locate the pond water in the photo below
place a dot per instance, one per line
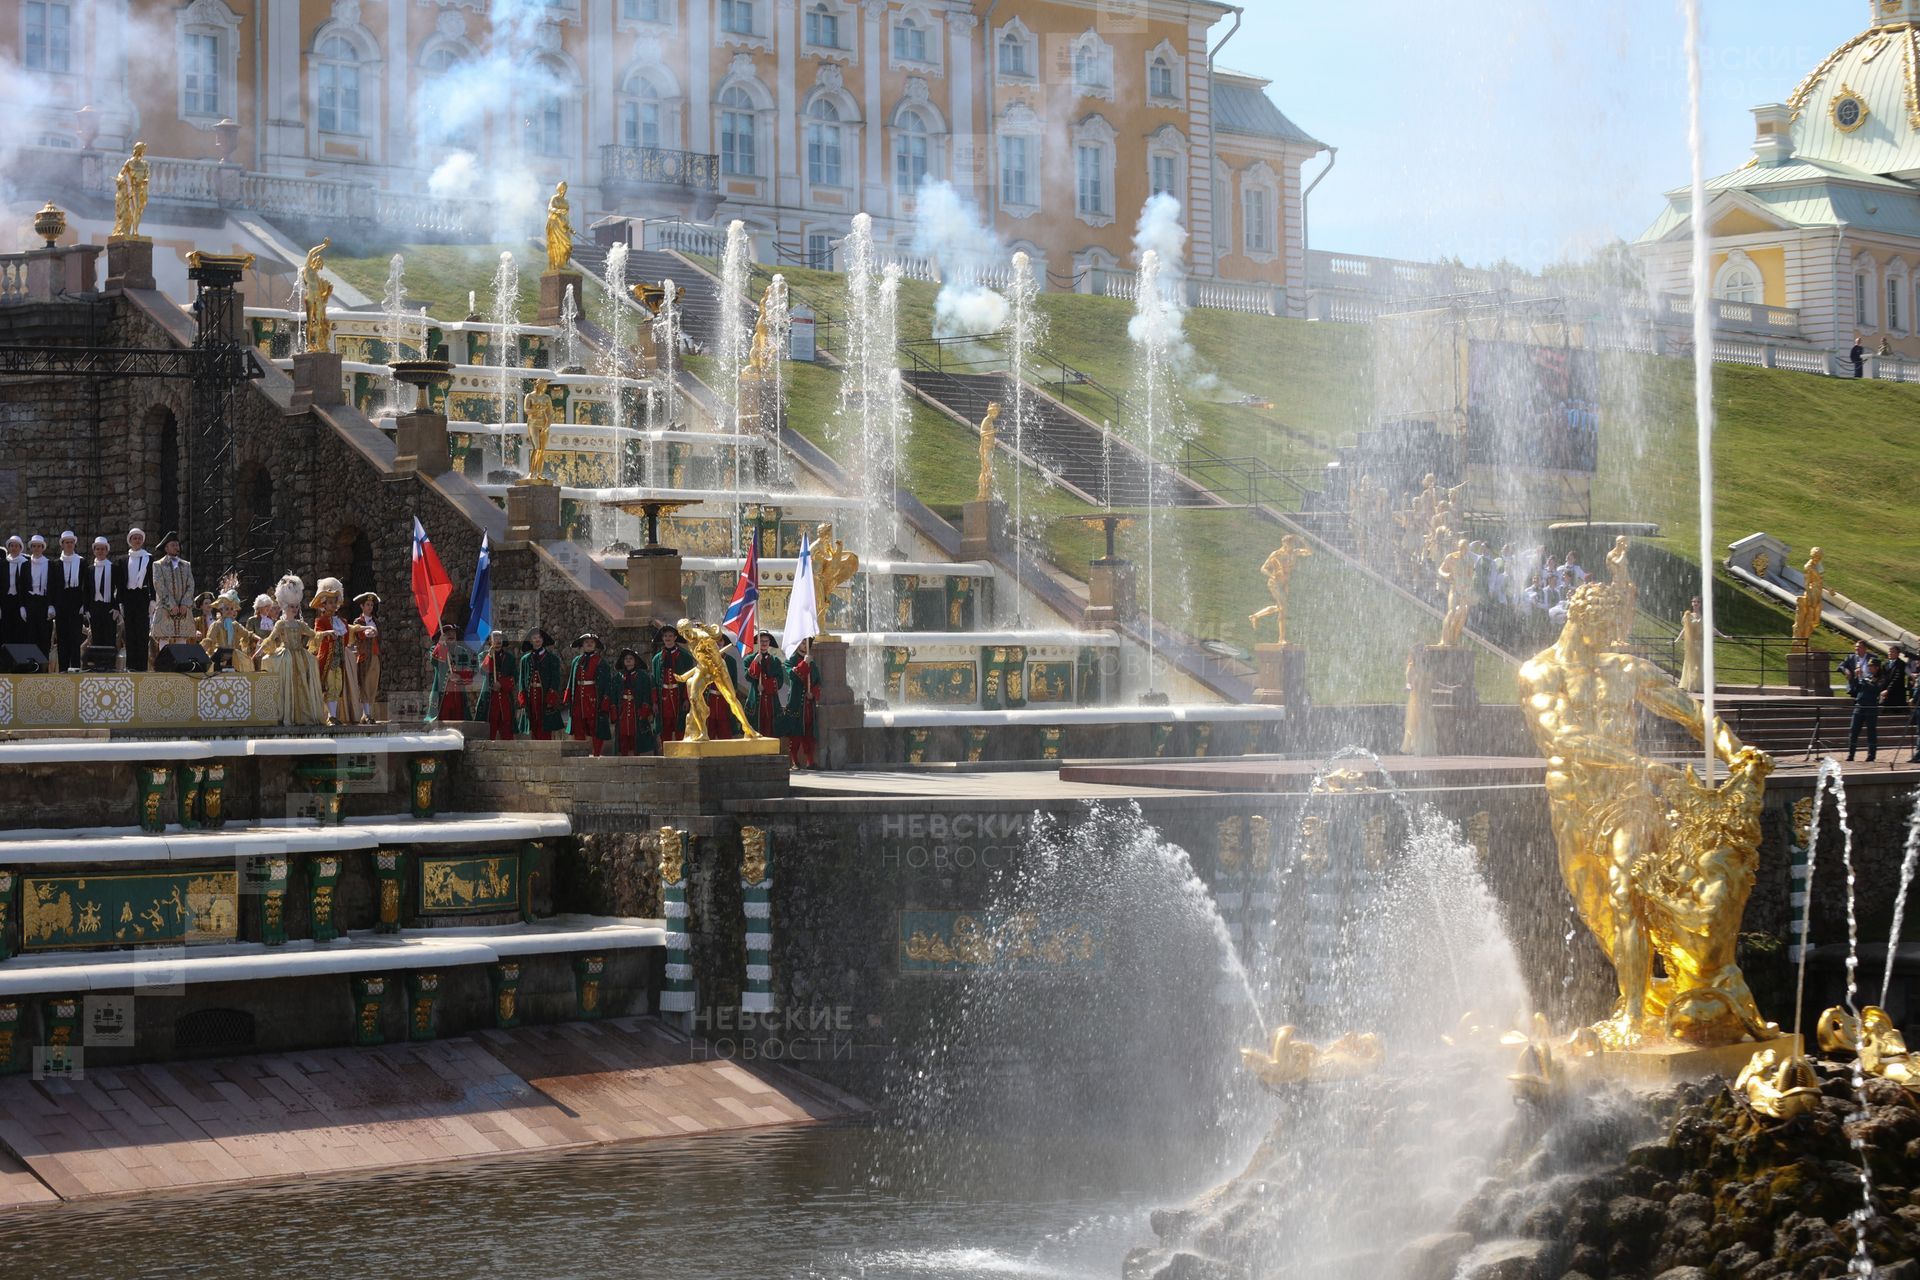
(813, 1203)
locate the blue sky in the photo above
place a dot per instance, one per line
(1523, 129)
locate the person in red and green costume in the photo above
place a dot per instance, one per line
(630, 706)
(670, 665)
(766, 676)
(543, 687)
(584, 692)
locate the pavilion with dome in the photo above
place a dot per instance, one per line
(1824, 220)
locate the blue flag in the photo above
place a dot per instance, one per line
(480, 599)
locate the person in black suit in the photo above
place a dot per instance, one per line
(37, 593)
(1854, 667)
(1895, 678)
(13, 628)
(136, 598)
(1867, 691)
(69, 602)
(101, 581)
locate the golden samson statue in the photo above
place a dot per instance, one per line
(1278, 571)
(1659, 864)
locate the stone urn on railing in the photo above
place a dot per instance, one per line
(420, 436)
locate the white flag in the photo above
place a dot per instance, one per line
(803, 616)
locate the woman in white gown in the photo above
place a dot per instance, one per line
(290, 647)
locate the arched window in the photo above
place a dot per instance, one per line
(643, 114)
(823, 27)
(823, 144)
(1160, 79)
(1015, 54)
(548, 110)
(909, 40)
(336, 71)
(739, 144)
(1741, 284)
(911, 148)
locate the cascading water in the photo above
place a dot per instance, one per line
(778, 310)
(1702, 370)
(570, 332)
(858, 425)
(612, 361)
(1155, 328)
(666, 341)
(1026, 327)
(1907, 865)
(732, 345)
(504, 314)
(397, 331)
(884, 373)
(298, 342)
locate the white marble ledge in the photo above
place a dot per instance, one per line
(358, 952)
(961, 717)
(188, 750)
(49, 846)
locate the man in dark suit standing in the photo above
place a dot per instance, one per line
(37, 592)
(69, 602)
(1854, 667)
(13, 624)
(102, 583)
(136, 598)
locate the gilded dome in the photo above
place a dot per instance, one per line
(1861, 106)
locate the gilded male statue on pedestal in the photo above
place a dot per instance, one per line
(1658, 864)
(130, 195)
(1278, 571)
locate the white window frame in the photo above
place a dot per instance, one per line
(725, 115)
(1020, 122)
(1866, 300)
(815, 140)
(662, 92)
(1260, 179)
(563, 73)
(1017, 33)
(369, 78)
(662, 13)
(931, 55)
(209, 18)
(846, 20)
(761, 37)
(1094, 135)
(1090, 53)
(1176, 74)
(1169, 146)
(47, 43)
(1897, 288)
(1736, 271)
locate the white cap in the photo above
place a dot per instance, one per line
(101, 541)
(141, 532)
(69, 534)
(36, 538)
(13, 538)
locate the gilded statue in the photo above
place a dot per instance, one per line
(1621, 577)
(833, 567)
(1289, 1060)
(989, 437)
(709, 672)
(753, 855)
(1278, 571)
(316, 292)
(1779, 1086)
(559, 229)
(1456, 575)
(1659, 865)
(672, 855)
(1873, 1039)
(1806, 610)
(537, 406)
(130, 195)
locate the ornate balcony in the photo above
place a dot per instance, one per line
(658, 179)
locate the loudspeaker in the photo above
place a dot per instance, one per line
(99, 657)
(182, 657)
(24, 659)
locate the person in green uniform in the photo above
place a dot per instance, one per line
(628, 696)
(672, 662)
(543, 687)
(766, 677)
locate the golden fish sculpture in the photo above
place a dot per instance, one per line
(1872, 1038)
(1289, 1061)
(1777, 1086)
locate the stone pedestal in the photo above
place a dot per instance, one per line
(1811, 672)
(838, 718)
(1449, 672)
(1110, 598)
(129, 264)
(420, 443)
(983, 529)
(1659, 1065)
(62, 272)
(533, 512)
(653, 589)
(553, 294)
(721, 748)
(1280, 678)
(316, 380)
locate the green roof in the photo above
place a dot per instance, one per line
(1242, 107)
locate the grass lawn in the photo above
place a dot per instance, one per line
(1828, 462)
(441, 275)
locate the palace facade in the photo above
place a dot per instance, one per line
(1819, 233)
(1057, 119)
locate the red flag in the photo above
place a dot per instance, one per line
(432, 588)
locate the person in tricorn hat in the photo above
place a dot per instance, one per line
(670, 665)
(584, 692)
(543, 687)
(499, 689)
(446, 696)
(766, 677)
(173, 611)
(363, 651)
(630, 706)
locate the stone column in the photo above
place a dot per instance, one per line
(653, 589)
(129, 264)
(316, 380)
(1110, 592)
(983, 527)
(839, 717)
(533, 512)
(553, 294)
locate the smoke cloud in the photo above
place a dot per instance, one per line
(1162, 321)
(949, 230)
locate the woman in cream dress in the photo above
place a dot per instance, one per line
(288, 651)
